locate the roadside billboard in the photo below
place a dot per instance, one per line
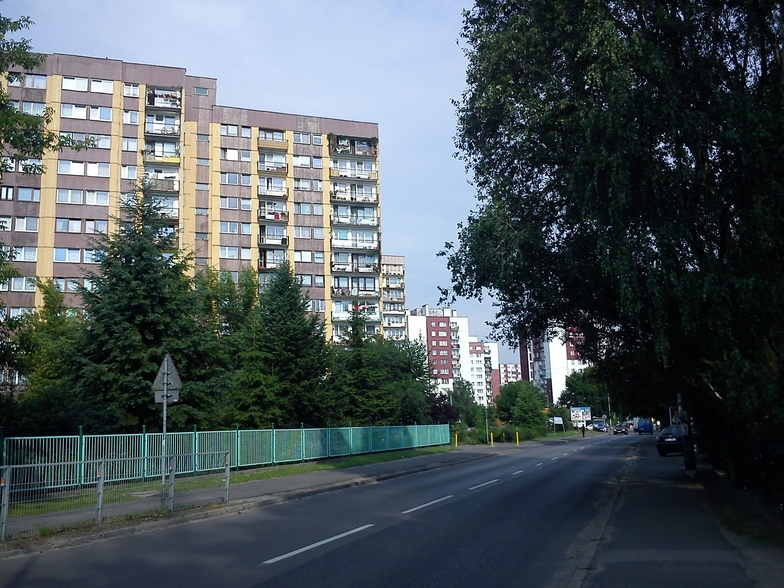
(581, 414)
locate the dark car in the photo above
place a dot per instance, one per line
(669, 440)
(620, 428)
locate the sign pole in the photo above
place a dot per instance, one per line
(164, 461)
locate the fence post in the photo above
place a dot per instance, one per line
(99, 497)
(144, 453)
(195, 450)
(172, 468)
(329, 440)
(80, 477)
(237, 455)
(226, 474)
(5, 497)
(350, 439)
(273, 443)
(302, 441)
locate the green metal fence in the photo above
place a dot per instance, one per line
(246, 447)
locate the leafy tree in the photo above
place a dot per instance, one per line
(463, 400)
(441, 411)
(528, 409)
(24, 136)
(283, 360)
(140, 306)
(223, 304)
(585, 389)
(506, 399)
(629, 187)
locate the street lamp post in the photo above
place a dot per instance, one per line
(487, 428)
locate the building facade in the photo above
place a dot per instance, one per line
(554, 360)
(244, 188)
(510, 372)
(393, 302)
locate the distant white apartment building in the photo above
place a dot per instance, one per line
(454, 352)
(510, 372)
(393, 296)
(554, 360)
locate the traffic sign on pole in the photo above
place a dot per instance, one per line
(167, 380)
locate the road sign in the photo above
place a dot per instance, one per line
(167, 374)
(558, 420)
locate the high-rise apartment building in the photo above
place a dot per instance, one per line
(554, 360)
(454, 352)
(510, 372)
(243, 187)
(393, 302)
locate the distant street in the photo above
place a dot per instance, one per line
(519, 519)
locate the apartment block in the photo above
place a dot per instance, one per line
(243, 188)
(393, 302)
(454, 352)
(510, 372)
(554, 360)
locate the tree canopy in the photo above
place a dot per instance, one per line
(630, 185)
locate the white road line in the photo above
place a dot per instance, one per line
(485, 484)
(567, 453)
(537, 465)
(517, 472)
(428, 504)
(318, 544)
(556, 457)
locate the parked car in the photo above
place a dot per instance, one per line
(669, 440)
(644, 426)
(620, 428)
(599, 427)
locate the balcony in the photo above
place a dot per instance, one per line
(269, 266)
(348, 146)
(273, 192)
(353, 173)
(167, 98)
(344, 316)
(153, 128)
(354, 220)
(349, 197)
(163, 185)
(356, 268)
(280, 216)
(270, 144)
(350, 244)
(265, 241)
(273, 168)
(353, 293)
(153, 158)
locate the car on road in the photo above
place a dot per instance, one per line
(620, 429)
(669, 440)
(644, 426)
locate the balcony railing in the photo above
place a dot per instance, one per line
(353, 173)
(280, 216)
(346, 196)
(164, 185)
(164, 98)
(338, 316)
(153, 158)
(273, 168)
(265, 241)
(354, 220)
(354, 293)
(274, 192)
(349, 267)
(336, 243)
(269, 266)
(270, 144)
(161, 129)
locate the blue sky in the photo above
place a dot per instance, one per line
(394, 62)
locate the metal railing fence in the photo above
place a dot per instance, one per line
(54, 495)
(248, 448)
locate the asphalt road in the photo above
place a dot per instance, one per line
(511, 520)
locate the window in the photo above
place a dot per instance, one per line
(36, 108)
(305, 279)
(67, 284)
(302, 232)
(270, 135)
(246, 132)
(66, 225)
(317, 162)
(230, 154)
(100, 170)
(318, 209)
(128, 172)
(200, 186)
(301, 184)
(301, 208)
(101, 141)
(100, 113)
(202, 212)
(302, 138)
(78, 84)
(229, 252)
(63, 255)
(245, 228)
(96, 226)
(131, 90)
(72, 168)
(318, 281)
(34, 81)
(92, 256)
(69, 196)
(103, 86)
(230, 178)
(318, 256)
(25, 253)
(318, 185)
(7, 193)
(229, 202)
(245, 204)
(200, 91)
(201, 161)
(318, 305)
(200, 137)
(301, 160)
(245, 179)
(229, 227)
(23, 284)
(305, 256)
(131, 117)
(73, 111)
(318, 232)
(244, 154)
(202, 237)
(96, 198)
(245, 253)
(229, 130)
(130, 144)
